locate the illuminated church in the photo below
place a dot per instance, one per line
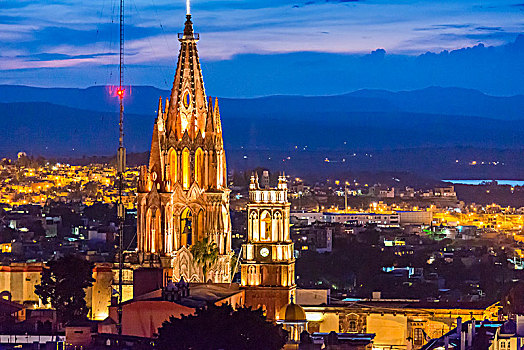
(182, 195)
(183, 198)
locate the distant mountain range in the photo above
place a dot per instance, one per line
(144, 100)
(78, 122)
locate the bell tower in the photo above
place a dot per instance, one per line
(268, 264)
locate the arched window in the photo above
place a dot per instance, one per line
(278, 228)
(154, 230)
(173, 167)
(199, 167)
(251, 275)
(186, 227)
(185, 169)
(200, 225)
(254, 226)
(265, 226)
(187, 99)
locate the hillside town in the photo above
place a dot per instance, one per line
(189, 250)
(422, 253)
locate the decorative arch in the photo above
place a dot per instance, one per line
(251, 275)
(253, 226)
(6, 295)
(186, 227)
(200, 225)
(199, 167)
(173, 166)
(187, 99)
(265, 226)
(153, 222)
(169, 237)
(277, 216)
(186, 169)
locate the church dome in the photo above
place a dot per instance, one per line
(292, 313)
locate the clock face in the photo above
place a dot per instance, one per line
(264, 252)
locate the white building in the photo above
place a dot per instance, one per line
(380, 219)
(509, 336)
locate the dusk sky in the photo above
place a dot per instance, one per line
(245, 43)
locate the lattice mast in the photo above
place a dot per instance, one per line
(121, 166)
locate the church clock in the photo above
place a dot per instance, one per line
(264, 252)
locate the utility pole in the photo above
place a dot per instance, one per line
(121, 166)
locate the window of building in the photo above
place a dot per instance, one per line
(186, 223)
(254, 226)
(265, 226)
(199, 167)
(185, 168)
(418, 336)
(173, 163)
(200, 225)
(187, 99)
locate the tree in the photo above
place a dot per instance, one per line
(91, 189)
(63, 285)
(205, 254)
(233, 266)
(513, 301)
(220, 327)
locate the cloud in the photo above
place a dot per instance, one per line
(74, 33)
(320, 2)
(486, 28)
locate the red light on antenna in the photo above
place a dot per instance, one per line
(120, 92)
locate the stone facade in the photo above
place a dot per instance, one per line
(182, 194)
(268, 263)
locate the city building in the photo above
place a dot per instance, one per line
(415, 217)
(494, 335)
(145, 313)
(317, 237)
(19, 281)
(182, 195)
(399, 324)
(510, 335)
(386, 219)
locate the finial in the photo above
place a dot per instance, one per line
(188, 7)
(292, 299)
(188, 28)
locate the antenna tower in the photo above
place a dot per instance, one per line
(121, 166)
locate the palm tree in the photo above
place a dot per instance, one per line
(205, 254)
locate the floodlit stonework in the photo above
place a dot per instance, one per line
(268, 263)
(182, 194)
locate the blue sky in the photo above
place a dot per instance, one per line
(73, 42)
